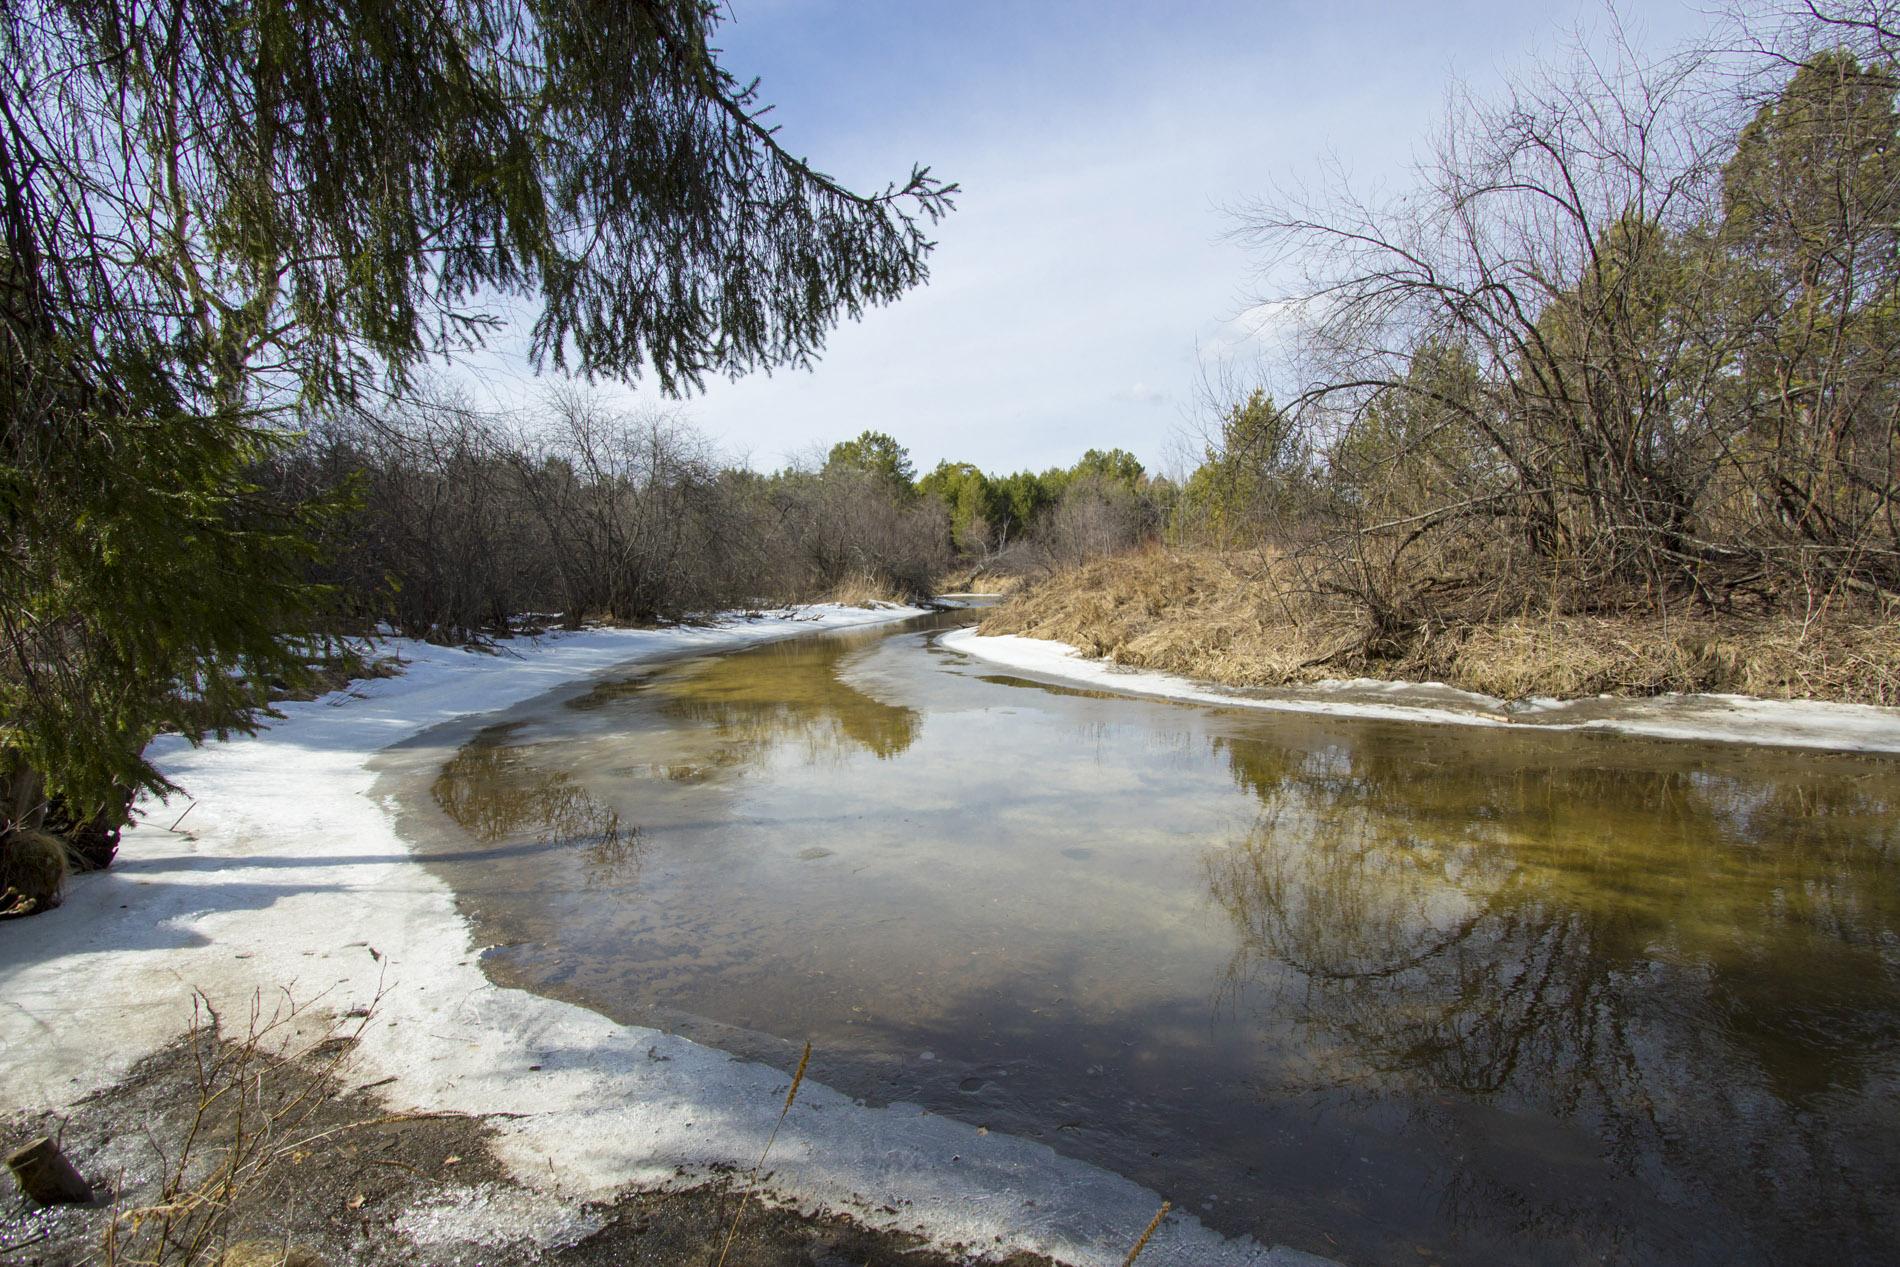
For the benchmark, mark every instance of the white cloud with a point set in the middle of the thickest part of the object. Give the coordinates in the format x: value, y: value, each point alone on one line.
x: 1258, y: 330
x: 1096, y: 145
x: 1141, y: 393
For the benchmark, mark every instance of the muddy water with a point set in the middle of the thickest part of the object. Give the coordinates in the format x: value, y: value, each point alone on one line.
x: 1384, y: 992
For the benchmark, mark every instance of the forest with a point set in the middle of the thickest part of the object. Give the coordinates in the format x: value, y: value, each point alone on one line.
x: 1605, y: 400
x: 454, y: 524
x: 1622, y: 356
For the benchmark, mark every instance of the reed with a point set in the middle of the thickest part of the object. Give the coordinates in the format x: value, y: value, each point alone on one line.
x: 752, y: 1179
x: 1141, y: 1243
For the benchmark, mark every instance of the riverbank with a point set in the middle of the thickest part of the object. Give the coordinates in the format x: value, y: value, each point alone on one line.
x: 325, y: 1167
x: 284, y: 880
x: 1211, y: 625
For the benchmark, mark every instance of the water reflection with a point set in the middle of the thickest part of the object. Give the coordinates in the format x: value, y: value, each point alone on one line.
x: 1360, y: 987
x: 493, y: 791
x: 606, y: 693
x: 772, y: 697
x: 1686, y: 969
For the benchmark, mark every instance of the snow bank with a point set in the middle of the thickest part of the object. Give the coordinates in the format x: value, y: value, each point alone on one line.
x: 1707, y: 718
x: 286, y: 874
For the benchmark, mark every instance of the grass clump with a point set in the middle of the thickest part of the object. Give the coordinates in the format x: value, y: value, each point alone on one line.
x: 1249, y: 619
x: 1198, y: 613
x: 863, y: 589
x: 992, y: 578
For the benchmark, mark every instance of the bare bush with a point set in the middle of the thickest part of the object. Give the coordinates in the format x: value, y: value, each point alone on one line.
x: 1094, y: 517
x: 464, y: 521
x: 255, y: 1097
x: 1629, y: 344
x: 832, y: 525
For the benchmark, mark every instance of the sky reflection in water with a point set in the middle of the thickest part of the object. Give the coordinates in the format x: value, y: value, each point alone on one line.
x: 1383, y: 992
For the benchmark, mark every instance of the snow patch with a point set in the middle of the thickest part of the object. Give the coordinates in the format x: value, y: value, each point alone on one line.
x: 288, y: 876
x: 1701, y: 718
x: 492, y: 1215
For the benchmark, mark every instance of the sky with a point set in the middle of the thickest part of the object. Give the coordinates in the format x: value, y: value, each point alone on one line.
x: 1089, y: 281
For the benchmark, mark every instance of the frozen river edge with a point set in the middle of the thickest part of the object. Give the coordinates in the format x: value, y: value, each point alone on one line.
x: 1696, y: 718
x: 287, y: 876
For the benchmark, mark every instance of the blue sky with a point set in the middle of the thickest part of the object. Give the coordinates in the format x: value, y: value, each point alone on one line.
x: 1087, y: 274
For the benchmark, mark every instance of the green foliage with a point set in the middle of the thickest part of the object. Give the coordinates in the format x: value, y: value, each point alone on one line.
x: 329, y: 189
x: 875, y: 454
x: 1813, y: 186
x: 1415, y: 445
x: 989, y: 511
x: 1583, y: 365
x: 1114, y: 466
x: 219, y: 220
x: 1812, y: 211
x: 977, y: 510
x: 1628, y: 388
x: 148, y: 584
x: 1020, y: 498
x: 1246, y: 475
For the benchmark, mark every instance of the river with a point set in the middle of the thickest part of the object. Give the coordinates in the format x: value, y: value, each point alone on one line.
x: 1383, y: 991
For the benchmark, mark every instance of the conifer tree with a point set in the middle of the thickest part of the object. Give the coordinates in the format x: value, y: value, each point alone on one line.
x: 217, y: 219
x: 875, y: 454
x: 1812, y: 205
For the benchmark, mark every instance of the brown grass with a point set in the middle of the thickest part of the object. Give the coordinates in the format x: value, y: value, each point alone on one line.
x: 865, y: 590
x: 978, y: 579
x: 246, y: 1119
x: 1223, y: 618
x: 1243, y: 620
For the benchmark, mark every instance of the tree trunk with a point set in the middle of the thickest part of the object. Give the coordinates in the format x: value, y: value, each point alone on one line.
x: 45, y: 1175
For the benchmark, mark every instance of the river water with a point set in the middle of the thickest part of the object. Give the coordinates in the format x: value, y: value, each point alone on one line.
x: 1383, y: 991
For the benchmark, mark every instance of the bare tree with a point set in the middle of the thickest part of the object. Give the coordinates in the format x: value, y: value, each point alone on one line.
x: 1624, y: 343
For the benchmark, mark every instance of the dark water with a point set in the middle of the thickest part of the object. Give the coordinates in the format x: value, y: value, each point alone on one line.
x: 1389, y: 993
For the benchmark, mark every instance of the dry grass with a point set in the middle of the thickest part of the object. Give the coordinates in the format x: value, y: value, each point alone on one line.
x: 1222, y: 618
x: 258, y: 1096
x: 865, y: 590
x: 1844, y: 660
x: 321, y: 1162
x: 978, y: 579
x: 1242, y: 620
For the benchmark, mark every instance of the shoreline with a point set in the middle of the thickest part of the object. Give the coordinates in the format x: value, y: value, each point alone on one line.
x: 285, y: 875
x: 1816, y: 724
x: 1249, y: 622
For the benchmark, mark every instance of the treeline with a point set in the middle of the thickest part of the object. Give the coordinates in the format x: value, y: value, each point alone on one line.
x: 458, y: 522
x: 1631, y: 345
x: 451, y: 522
x: 1026, y: 523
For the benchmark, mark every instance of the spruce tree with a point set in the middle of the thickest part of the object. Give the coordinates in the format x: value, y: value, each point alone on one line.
x: 875, y: 454
x: 220, y: 219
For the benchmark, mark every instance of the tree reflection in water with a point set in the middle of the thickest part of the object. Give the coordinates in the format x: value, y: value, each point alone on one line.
x: 784, y: 694
x: 495, y: 792
x: 1605, y: 976
x: 1504, y: 994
